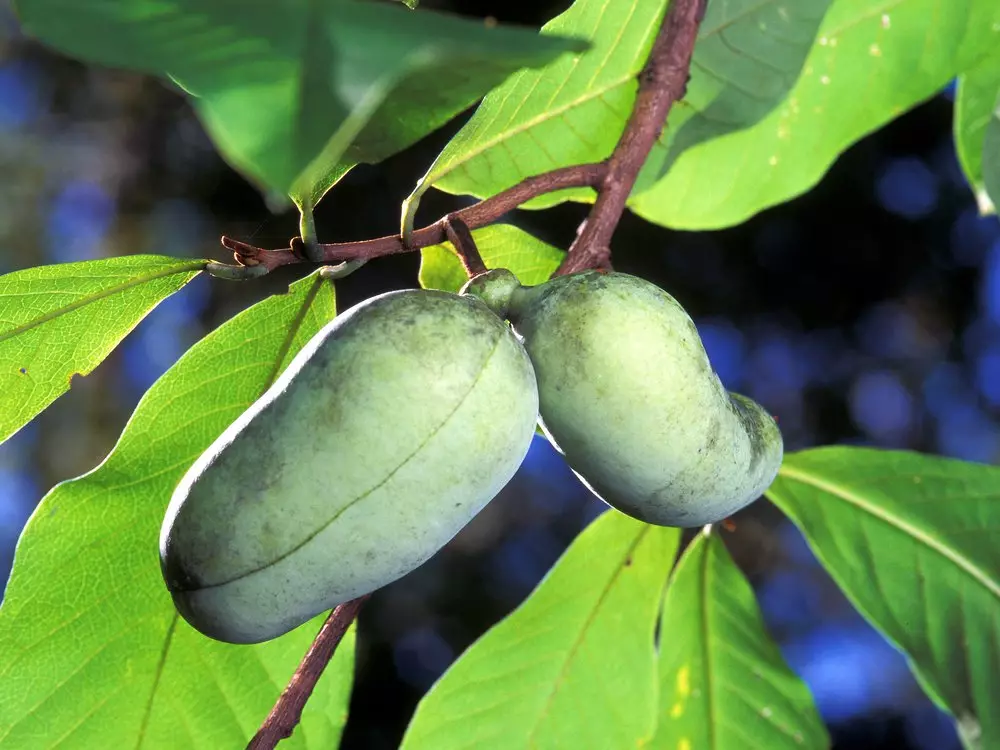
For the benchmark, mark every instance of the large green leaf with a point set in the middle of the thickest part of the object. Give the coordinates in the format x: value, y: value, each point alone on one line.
x: 92, y: 651
x: 723, y: 682
x: 60, y: 321
x: 870, y: 63
x: 911, y: 540
x: 748, y: 55
x: 574, y: 665
x: 293, y: 92
x: 991, y: 156
x: 501, y: 246
x: 977, y: 92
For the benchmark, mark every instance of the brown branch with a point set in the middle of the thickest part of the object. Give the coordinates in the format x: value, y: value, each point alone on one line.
x: 287, y: 711
x: 661, y: 83
x: 479, y: 215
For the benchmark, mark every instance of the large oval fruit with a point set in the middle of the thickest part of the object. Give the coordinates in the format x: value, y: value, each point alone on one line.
x: 628, y: 395
x: 386, y: 434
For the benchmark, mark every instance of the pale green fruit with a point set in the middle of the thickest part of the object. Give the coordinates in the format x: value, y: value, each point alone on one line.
x: 629, y: 397
x: 386, y: 434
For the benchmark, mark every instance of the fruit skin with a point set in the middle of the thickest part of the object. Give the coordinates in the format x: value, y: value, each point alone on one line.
x: 629, y: 397
x: 387, y: 433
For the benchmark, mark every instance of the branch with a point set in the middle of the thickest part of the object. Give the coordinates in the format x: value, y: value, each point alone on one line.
x: 661, y: 83
x: 287, y: 711
x: 479, y: 215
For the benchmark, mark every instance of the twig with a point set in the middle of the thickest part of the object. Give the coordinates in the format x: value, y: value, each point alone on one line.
x: 459, y: 235
x: 479, y: 215
x: 287, y: 711
x: 662, y: 82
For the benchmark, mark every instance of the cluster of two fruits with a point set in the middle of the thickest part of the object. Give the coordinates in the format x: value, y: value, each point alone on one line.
x: 402, y: 418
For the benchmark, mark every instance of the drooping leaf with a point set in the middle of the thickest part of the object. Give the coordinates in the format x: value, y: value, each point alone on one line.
x: 977, y: 92
x: 92, y: 651
x: 574, y: 665
x: 747, y: 57
x: 991, y: 156
x: 870, y: 63
x: 63, y: 320
x: 501, y: 246
x: 295, y: 92
x: 723, y: 682
x: 911, y: 540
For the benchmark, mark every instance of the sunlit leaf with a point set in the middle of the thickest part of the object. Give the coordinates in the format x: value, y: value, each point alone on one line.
x: 63, y: 320
x: 723, y: 682
x: 501, y: 246
x: 294, y: 92
x: 92, y: 651
x: 870, y: 63
x: 977, y: 92
x: 911, y: 540
x: 747, y: 57
x: 574, y: 666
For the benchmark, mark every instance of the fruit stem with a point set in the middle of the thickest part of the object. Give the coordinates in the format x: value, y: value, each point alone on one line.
x: 661, y: 83
x: 287, y: 711
x: 459, y: 235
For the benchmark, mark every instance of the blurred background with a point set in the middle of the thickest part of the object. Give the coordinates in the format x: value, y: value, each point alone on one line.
x: 865, y: 312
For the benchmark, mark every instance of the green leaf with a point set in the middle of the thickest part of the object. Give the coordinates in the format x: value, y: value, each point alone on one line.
x: 63, y: 320
x: 870, y: 63
x: 92, y: 651
x: 911, y: 540
x: 991, y: 157
x: 501, y: 246
x: 723, y: 682
x: 574, y: 665
x: 977, y: 92
x: 573, y: 111
x: 295, y: 92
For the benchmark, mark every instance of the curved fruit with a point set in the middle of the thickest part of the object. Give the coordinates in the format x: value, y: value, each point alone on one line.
x: 386, y: 434
x: 628, y: 395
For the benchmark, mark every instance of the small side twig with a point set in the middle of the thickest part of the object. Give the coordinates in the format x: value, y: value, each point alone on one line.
x: 287, y: 711
x: 662, y: 82
x: 459, y: 235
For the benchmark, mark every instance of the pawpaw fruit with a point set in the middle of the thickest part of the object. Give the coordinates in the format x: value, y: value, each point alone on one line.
x: 627, y: 394
x: 393, y: 426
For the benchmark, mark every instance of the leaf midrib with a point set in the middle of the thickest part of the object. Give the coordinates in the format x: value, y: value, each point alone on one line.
x: 858, y: 501
x: 710, y: 708
x: 578, y: 639
x: 98, y: 296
